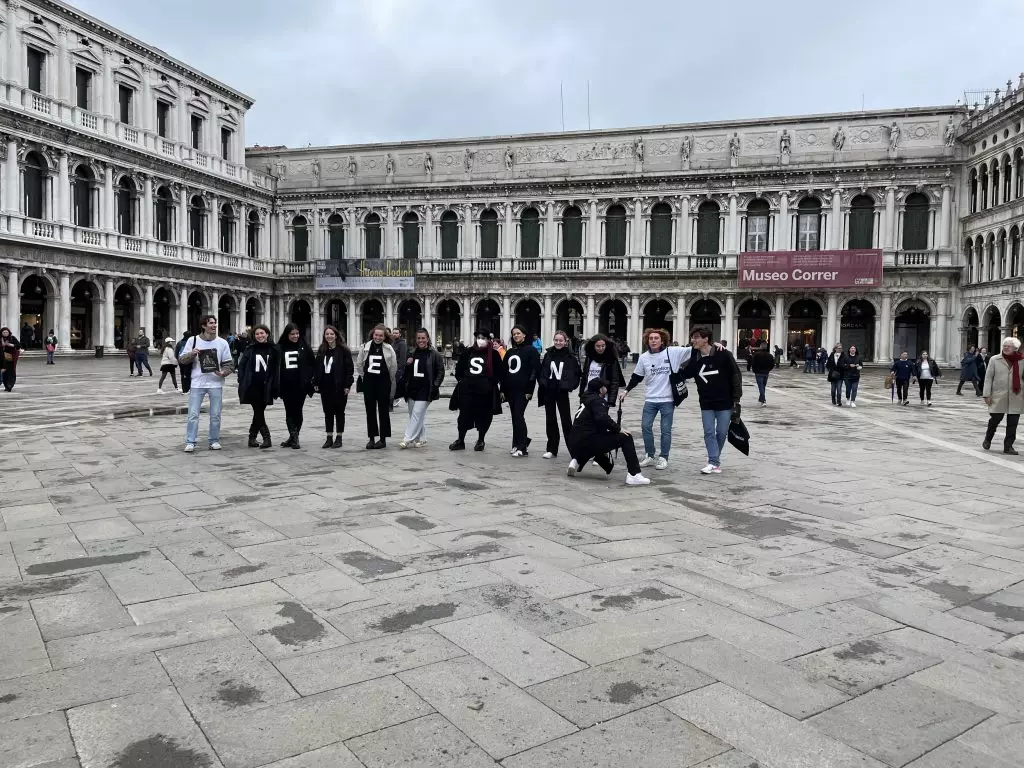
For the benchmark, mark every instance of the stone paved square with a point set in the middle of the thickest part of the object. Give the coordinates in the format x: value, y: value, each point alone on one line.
x: 306, y: 609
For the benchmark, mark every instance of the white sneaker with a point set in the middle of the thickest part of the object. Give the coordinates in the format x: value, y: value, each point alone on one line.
x: 573, y: 468
x: 853, y: 404
x: 637, y: 479
x: 513, y: 452
x: 711, y: 469
x: 159, y: 391
x: 177, y: 390
x: 647, y: 461
x: 214, y: 446
x: 419, y: 444
x: 548, y: 455
x: 404, y: 444
x: 190, y: 447
x: 516, y: 453
x: 661, y: 463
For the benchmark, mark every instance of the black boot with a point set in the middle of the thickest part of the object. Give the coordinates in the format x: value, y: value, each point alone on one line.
x: 1008, y: 449
x: 291, y: 434
x: 479, y: 445
x: 252, y: 440
x: 337, y: 441
x: 457, y: 445
x: 382, y: 443
x: 265, y: 434
x: 371, y: 444
x: 329, y: 442
x: 295, y: 439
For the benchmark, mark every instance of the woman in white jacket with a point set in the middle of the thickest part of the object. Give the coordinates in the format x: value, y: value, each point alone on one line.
x: 168, y: 364
x: 377, y: 371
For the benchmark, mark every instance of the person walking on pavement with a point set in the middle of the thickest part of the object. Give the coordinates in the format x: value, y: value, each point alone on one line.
x: 970, y: 367
x: 50, y: 342
x: 401, y: 348
x: 902, y: 370
x: 142, y: 351
x: 601, y: 361
x: 211, y: 363
x: 1004, y: 394
x: 377, y: 369
x: 927, y: 372
x: 595, y: 436
x: 259, y: 380
x: 296, y: 380
x: 761, y: 363
x: 333, y: 375
x: 852, y: 366
x: 168, y: 365
x: 559, y: 375
x: 834, y: 366
x: 424, y: 372
x: 11, y: 351
x: 522, y: 364
x: 719, y: 389
x: 480, y: 374
x: 130, y: 349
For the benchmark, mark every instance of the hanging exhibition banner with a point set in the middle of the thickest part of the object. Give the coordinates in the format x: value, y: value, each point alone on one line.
x: 811, y: 269
x: 365, y: 275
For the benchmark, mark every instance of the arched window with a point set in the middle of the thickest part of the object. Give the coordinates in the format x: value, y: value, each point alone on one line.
x: 488, y: 234
x: 661, y: 229
x: 371, y: 226
x: 969, y: 258
x: 300, y: 238
x: 915, y: 223
x: 410, y: 236
x: 252, y: 235
x: 164, y: 207
x: 708, y: 225
x: 757, y: 225
x: 983, y: 183
x: 529, y: 233
x: 82, y: 186
x: 974, y: 191
x: 1014, y: 252
x: 615, y: 231
x: 196, y: 222
x: 227, y: 228
x: 34, y: 179
x: 126, y: 206
x: 572, y: 233
x: 808, y: 224
x: 449, y: 235
x: 336, y: 237
x: 862, y: 222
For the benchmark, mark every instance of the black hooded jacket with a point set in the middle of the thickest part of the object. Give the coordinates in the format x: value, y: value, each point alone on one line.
x: 610, y: 371
x: 561, y: 361
x: 522, y: 363
x: 259, y: 374
x: 592, y: 419
x: 297, y: 365
x: 342, y: 371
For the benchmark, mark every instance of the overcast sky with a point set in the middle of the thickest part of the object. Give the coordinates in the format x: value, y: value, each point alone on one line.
x: 345, y: 71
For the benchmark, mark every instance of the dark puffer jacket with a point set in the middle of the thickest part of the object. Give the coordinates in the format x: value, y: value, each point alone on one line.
x: 611, y: 370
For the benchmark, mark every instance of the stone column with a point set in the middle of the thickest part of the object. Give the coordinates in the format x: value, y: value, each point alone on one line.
x: 779, y: 335
x: 351, y: 236
x: 941, y: 343
x: 729, y: 321
x: 64, y: 316
x: 681, y: 326
x: 550, y: 231
x: 389, y: 311
x: 594, y: 241
x: 64, y: 87
x: 636, y: 323
x: 683, y: 227
x: 11, y: 193
x: 148, y: 107
x: 732, y: 233
x: 182, y: 232
x: 316, y: 243
x: 945, y: 210
x: 508, y: 234
x: 147, y: 313
x: 637, y: 244
x: 63, y: 190
x: 429, y: 236
x: 832, y: 322
x: 108, y: 315
x: 506, y: 318
x: 213, y: 226
x: 590, y: 321
x: 427, y: 302
x: 146, y: 218
x: 782, y: 229
x: 547, y: 326
x: 183, y: 311
x: 14, y: 55
x: 282, y: 317
x: 316, y: 332
x: 836, y: 239
x: 108, y: 198
x: 13, y: 300
x: 351, y: 323
x: 889, y: 220
x: 466, y: 320
x: 391, y: 235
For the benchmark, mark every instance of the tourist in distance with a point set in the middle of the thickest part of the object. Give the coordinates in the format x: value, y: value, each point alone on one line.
x: 50, y: 343
x: 479, y: 374
x: 333, y: 374
x: 902, y: 370
x: 653, y: 367
x: 296, y: 380
x: 559, y: 375
x: 259, y: 381
x: 822, y: 359
x: 522, y: 364
x: 168, y: 365
x: 377, y: 369
x: 142, y: 351
x: 834, y: 366
x: 129, y: 348
x: 601, y: 361
x: 1004, y: 394
x: 761, y: 363
x: 927, y: 372
x: 810, y: 358
x: 595, y: 435
x: 852, y: 366
x: 209, y: 358
x: 11, y: 351
x: 719, y: 389
x: 970, y: 371
x: 424, y: 372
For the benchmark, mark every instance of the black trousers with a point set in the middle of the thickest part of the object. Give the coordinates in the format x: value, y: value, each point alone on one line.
x: 259, y: 419
x: 293, y: 402
x: 378, y: 412
x: 1011, y: 427
x: 974, y: 383
x: 164, y: 370
x: 556, y: 408
x: 517, y: 407
x: 476, y: 410
x: 334, y: 411
x: 925, y: 387
x: 601, y: 446
x: 902, y: 388
x: 10, y: 375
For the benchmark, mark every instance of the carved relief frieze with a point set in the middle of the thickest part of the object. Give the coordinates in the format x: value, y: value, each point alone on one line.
x: 761, y: 143
x: 706, y: 144
x: 868, y: 134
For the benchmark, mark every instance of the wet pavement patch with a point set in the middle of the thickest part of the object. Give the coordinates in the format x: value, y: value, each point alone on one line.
x: 8, y: 697
x: 486, y: 535
x: 77, y: 563
x: 303, y: 628
x: 159, y: 751
x: 958, y: 594
x: 403, y: 620
x: 999, y: 610
x: 465, y: 485
x: 864, y: 650
x: 238, y: 694
x: 624, y: 693
x: 369, y: 564
x: 241, y: 499
x: 241, y: 570
x: 455, y: 556
x: 414, y: 523
x: 39, y: 588
x: 627, y: 601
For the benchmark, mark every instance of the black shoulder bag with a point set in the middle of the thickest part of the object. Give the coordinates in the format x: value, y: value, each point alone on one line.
x: 677, y: 382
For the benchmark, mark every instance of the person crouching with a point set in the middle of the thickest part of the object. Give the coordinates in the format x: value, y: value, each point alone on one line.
x: 595, y: 435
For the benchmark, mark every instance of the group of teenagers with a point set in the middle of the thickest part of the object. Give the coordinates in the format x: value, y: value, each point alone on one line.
x: 486, y: 379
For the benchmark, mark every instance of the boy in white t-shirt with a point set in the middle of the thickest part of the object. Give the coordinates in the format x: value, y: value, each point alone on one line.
x: 211, y: 361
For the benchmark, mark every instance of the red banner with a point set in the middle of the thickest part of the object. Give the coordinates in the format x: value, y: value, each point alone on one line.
x: 811, y: 269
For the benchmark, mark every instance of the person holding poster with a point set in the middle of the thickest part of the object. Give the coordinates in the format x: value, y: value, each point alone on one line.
x: 211, y: 364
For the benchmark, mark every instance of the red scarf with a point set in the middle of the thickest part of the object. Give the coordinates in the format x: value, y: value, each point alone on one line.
x: 1012, y: 360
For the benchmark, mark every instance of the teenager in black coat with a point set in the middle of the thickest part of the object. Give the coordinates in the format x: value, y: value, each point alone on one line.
x: 333, y: 374
x: 296, y: 380
x: 479, y: 373
x: 559, y: 375
x: 259, y: 380
x: 601, y: 361
x: 522, y: 363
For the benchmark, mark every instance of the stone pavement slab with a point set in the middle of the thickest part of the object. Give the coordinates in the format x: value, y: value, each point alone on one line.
x: 428, y: 742
x: 36, y: 741
x: 859, y: 666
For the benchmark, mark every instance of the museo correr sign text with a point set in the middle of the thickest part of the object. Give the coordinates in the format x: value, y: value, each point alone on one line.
x: 811, y: 269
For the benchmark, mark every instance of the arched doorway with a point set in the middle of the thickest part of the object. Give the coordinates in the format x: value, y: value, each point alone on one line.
x: 371, y: 314
x: 528, y: 316
x: 612, y: 320
x: 163, y: 316
x: 705, y: 313
x: 126, y: 312
x: 857, y: 327
x: 805, y: 325
x: 35, y: 312
x: 225, y: 315
x: 488, y: 317
x: 991, y: 336
x: 569, y: 319
x: 969, y: 330
x: 197, y: 307
x: 912, y: 328
x: 253, y: 312
x: 658, y: 314
x: 1015, y: 320
x: 86, y: 306
x: 336, y: 314
x: 448, y: 323
x: 302, y: 316
x: 753, y: 325
x: 410, y: 319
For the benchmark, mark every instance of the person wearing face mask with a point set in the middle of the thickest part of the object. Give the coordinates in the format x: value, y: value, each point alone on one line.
x: 595, y: 436
x: 424, y: 372
x: 479, y: 373
x: 377, y: 368
x: 903, y: 371
x: 259, y: 380
x: 296, y: 380
x: 601, y: 361
x: 927, y: 372
x: 1004, y: 394
x: 333, y: 374
x: 522, y: 364
x: 559, y: 375
x: 834, y: 366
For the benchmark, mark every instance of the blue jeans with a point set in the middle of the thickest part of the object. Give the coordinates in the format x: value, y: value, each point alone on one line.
x: 809, y: 366
x: 762, y: 382
x: 195, y: 402
x: 851, y: 389
x: 667, y: 411
x: 49, y: 357
x: 716, y: 431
